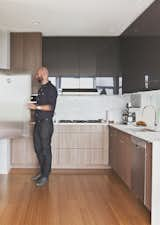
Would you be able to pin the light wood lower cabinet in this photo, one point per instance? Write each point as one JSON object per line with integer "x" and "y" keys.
{"x": 80, "y": 146}
{"x": 120, "y": 154}
{"x": 22, "y": 153}
{"x": 131, "y": 159}
{"x": 73, "y": 146}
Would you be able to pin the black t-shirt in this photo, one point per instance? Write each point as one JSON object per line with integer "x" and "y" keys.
{"x": 47, "y": 95}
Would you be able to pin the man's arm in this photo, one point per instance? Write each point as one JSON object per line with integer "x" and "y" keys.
{"x": 52, "y": 96}
{"x": 40, "y": 107}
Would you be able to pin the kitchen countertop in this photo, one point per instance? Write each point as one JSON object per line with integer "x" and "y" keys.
{"x": 139, "y": 132}
{"x": 9, "y": 130}
{"x": 12, "y": 130}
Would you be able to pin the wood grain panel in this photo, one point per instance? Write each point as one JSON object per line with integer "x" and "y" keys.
{"x": 26, "y": 54}
{"x": 148, "y": 176}
{"x": 73, "y": 146}
{"x": 32, "y": 48}
{"x": 17, "y": 52}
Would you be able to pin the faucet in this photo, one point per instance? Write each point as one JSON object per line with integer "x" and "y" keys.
{"x": 155, "y": 116}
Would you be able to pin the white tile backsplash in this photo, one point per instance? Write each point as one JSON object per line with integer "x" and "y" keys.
{"x": 89, "y": 107}
{"x": 86, "y": 107}
{"x": 151, "y": 99}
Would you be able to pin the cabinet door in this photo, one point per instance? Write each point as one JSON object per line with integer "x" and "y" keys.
{"x": 107, "y": 56}
{"x": 78, "y": 146}
{"x": 50, "y": 51}
{"x": 87, "y": 56}
{"x": 67, "y": 56}
{"x": 124, "y": 154}
{"x": 17, "y": 52}
{"x": 138, "y": 168}
{"x": 113, "y": 148}
{"x": 4, "y": 50}
{"x": 148, "y": 176}
{"x": 23, "y": 153}
{"x": 26, "y": 52}
{"x": 140, "y": 57}
{"x": 32, "y": 51}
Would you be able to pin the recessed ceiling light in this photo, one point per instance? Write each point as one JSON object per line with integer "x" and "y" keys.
{"x": 35, "y": 22}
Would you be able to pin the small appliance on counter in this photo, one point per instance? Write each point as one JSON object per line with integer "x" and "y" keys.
{"x": 128, "y": 117}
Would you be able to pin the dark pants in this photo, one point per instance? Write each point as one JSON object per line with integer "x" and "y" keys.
{"x": 43, "y": 131}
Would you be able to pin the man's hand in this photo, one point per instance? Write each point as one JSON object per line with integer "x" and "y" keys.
{"x": 47, "y": 108}
{"x": 32, "y": 106}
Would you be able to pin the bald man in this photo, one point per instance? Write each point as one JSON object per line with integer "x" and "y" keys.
{"x": 43, "y": 130}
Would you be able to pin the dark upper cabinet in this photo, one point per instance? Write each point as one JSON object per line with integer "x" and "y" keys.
{"x": 50, "y": 59}
{"x": 132, "y": 65}
{"x": 108, "y": 56}
{"x": 139, "y": 57}
{"x": 60, "y": 55}
{"x": 140, "y": 51}
{"x": 67, "y": 56}
{"x": 87, "y": 56}
{"x": 83, "y": 56}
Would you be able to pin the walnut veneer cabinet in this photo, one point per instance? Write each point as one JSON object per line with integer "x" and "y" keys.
{"x": 132, "y": 162}
{"x": 26, "y": 52}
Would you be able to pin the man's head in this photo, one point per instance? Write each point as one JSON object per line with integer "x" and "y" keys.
{"x": 42, "y": 75}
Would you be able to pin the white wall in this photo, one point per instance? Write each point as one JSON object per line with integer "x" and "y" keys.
{"x": 89, "y": 107}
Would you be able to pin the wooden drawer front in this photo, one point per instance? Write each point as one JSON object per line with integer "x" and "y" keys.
{"x": 78, "y": 157}
{"x": 64, "y": 128}
{"x": 74, "y": 140}
{"x": 22, "y": 153}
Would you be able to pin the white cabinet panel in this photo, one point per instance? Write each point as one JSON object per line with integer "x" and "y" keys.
{"x": 4, "y": 50}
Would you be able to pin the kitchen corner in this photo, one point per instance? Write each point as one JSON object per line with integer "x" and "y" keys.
{"x": 153, "y": 138}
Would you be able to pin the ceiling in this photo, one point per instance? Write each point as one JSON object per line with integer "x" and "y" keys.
{"x": 71, "y": 17}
